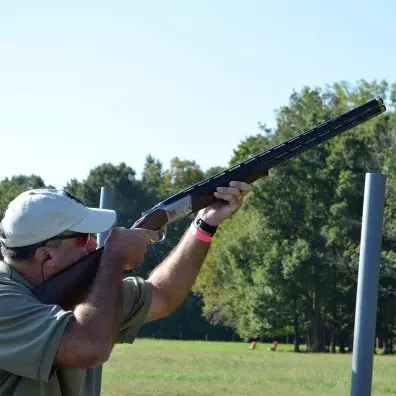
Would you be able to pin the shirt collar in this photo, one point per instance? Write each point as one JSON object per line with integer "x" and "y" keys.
{"x": 10, "y": 272}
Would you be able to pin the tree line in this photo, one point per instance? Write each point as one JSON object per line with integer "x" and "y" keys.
{"x": 286, "y": 264}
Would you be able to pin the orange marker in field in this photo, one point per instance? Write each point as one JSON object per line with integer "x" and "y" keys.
{"x": 274, "y": 345}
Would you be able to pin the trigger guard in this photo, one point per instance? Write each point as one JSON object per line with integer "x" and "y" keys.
{"x": 162, "y": 234}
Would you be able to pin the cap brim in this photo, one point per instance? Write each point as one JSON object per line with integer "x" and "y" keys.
{"x": 95, "y": 221}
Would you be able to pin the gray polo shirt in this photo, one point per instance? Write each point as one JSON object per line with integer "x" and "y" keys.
{"x": 30, "y": 333}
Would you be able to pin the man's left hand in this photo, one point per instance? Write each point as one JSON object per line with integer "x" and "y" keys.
{"x": 231, "y": 200}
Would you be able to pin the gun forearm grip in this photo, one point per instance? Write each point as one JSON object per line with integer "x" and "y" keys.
{"x": 154, "y": 220}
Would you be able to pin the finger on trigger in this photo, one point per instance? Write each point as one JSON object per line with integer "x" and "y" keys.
{"x": 151, "y": 236}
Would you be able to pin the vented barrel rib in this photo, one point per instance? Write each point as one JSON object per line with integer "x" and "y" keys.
{"x": 255, "y": 167}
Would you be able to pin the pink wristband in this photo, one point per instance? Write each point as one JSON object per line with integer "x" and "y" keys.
{"x": 198, "y": 234}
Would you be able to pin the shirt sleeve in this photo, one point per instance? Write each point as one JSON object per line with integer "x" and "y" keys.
{"x": 30, "y": 332}
{"x": 137, "y": 301}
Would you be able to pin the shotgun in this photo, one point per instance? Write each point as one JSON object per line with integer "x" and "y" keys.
{"x": 67, "y": 285}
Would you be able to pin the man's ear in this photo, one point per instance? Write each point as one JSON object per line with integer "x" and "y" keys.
{"x": 42, "y": 255}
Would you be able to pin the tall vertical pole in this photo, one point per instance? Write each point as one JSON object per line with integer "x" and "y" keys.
{"x": 106, "y": 202}
{"x": 367, "y": 288}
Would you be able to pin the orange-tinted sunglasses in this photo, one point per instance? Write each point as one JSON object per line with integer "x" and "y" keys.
{"x": 81, "y": 238}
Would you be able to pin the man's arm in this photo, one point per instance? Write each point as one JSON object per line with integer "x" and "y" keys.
{"x": 173, "y": 278}
{"x": 89, "y": 336}
{"x": 93, "y": 329}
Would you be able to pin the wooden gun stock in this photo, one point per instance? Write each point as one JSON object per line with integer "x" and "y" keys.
{"x": 67, "y": 287}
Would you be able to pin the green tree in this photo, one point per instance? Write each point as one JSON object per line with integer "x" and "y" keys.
{"x": 310, "y": 217}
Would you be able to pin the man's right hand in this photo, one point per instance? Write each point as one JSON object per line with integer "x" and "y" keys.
{"x": 128, "y": 246}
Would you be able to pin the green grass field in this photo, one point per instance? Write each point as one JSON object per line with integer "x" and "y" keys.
{"x": 156, "y": 367}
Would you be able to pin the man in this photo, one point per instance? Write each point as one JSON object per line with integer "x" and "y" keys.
{"x": 46, "y": 350}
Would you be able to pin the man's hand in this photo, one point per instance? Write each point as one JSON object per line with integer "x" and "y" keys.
{"x": 129, "y": 246}
{"x": 232, "y": 197}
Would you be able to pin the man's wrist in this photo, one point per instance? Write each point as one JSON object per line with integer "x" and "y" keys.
{"x": 200, "y": 235}
{"x": 202, "y": 231}
{"x": 204, "y": 226}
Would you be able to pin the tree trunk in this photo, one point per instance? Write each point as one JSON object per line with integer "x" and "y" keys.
{"x": 315, "y": 318}
{"x": 350, "y": 343}
{"x": 388, "y": 350}
{"x": 316, "y": 327}
{"x": 296, "y": 333}
{"x": 333, "y": 344}
{"x": 326, "y": 338}
{"x": 308, "y": 341}
{"x": 342, "y": 344}
{"x": 317, "y": 335}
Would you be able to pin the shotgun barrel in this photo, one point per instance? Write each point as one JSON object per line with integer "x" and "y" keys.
{"x": 67, "y": 286}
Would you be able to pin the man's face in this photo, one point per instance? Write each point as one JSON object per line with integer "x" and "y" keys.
{"x": 70, "y": 251}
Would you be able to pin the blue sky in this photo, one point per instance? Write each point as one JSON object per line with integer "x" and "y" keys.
{"x": 87, "y": 82}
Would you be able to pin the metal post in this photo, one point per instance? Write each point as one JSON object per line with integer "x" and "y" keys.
{"x": 367, "y": 288}
{"x": 106, "y": 202}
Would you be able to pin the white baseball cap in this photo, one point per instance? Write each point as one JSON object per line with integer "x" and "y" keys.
{"x": 37, "y": 215}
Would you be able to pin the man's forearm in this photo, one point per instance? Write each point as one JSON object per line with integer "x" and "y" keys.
{"x": 91, "y": 333}
{"x": 100, "y": 313}
{"x": 174, "y": 277}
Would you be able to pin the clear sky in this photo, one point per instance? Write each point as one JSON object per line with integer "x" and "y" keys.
{"x": 87, "y": 82}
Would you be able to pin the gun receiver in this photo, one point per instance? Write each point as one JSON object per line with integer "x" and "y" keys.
{"x": 63, "y": 287}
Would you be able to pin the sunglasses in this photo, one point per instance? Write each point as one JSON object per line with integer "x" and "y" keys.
{"x": 81, "y": 238}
